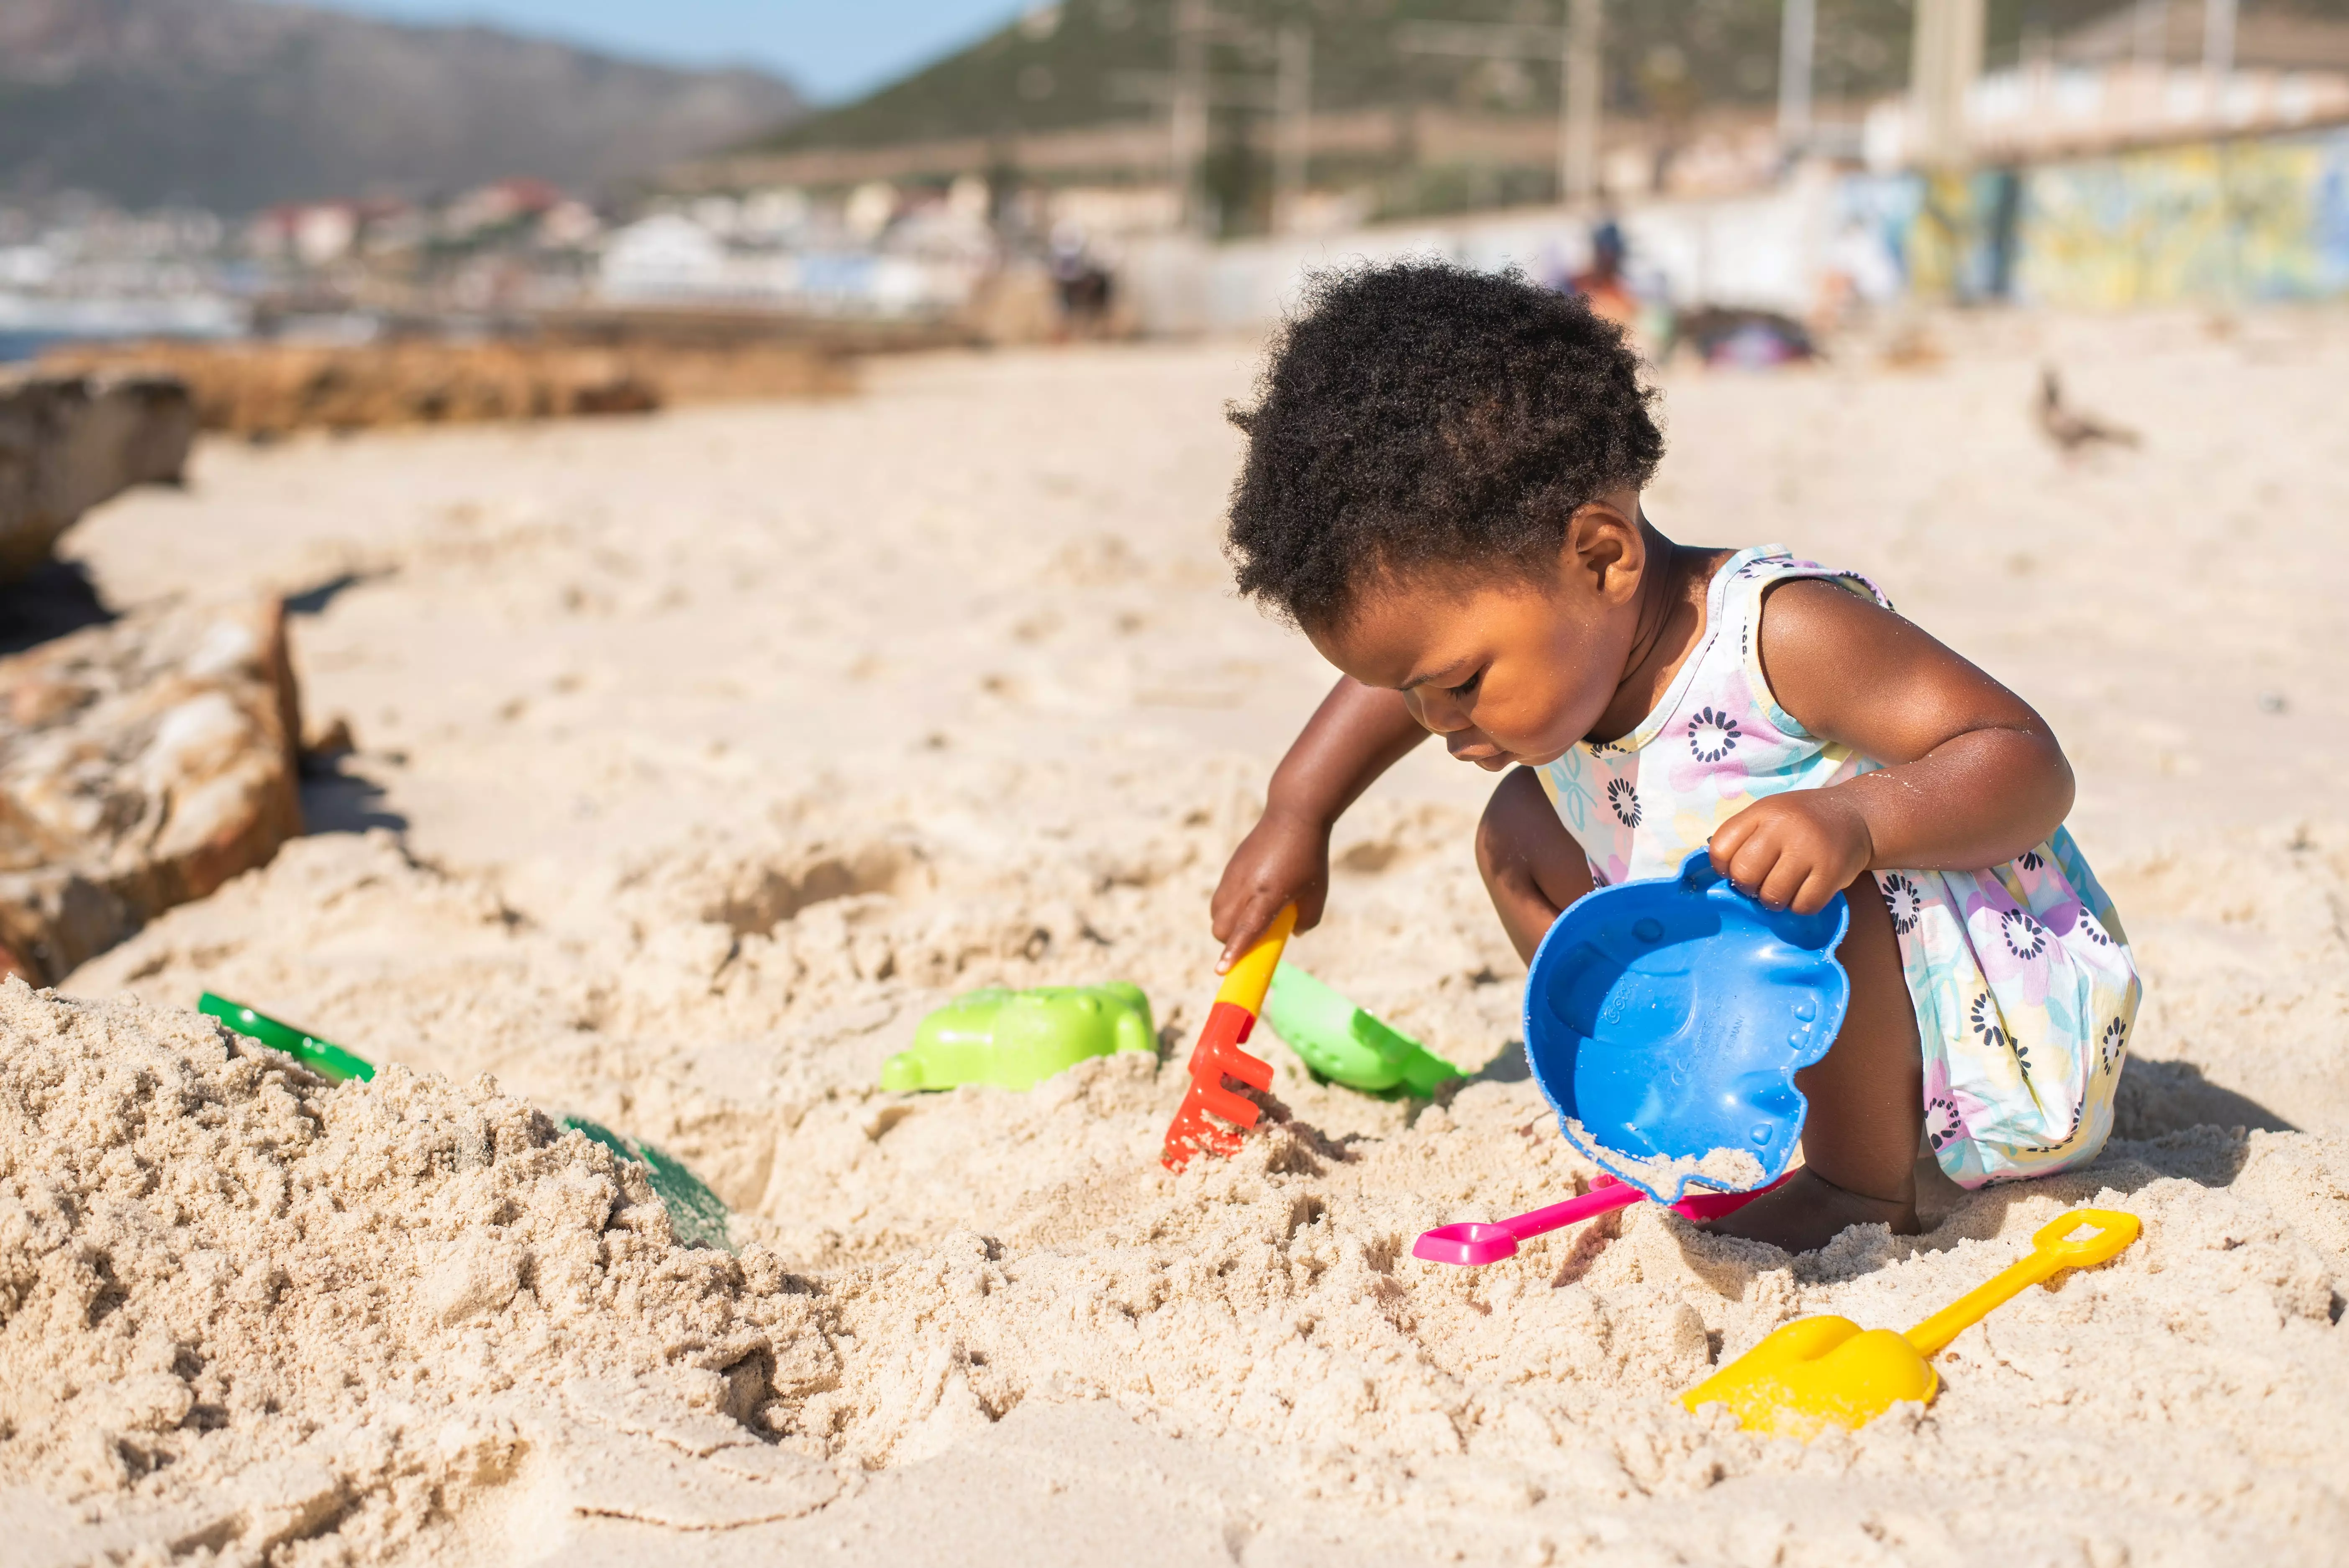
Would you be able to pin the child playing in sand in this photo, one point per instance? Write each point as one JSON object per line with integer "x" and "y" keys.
{"x": 1442, "y": 491}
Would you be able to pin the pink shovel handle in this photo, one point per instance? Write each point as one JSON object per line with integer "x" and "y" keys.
{"x": 1606, "y": 1195}
{"x": 1475, "y": 1242}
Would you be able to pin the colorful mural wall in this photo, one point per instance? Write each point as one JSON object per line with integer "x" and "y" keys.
{"x": 2254, "y": 220}
{"x": 2264, "y": 219}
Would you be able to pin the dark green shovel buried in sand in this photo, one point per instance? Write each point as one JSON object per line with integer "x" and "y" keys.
{"x": 697, "y": 1216}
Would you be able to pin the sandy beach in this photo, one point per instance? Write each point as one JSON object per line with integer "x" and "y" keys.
{"x": 699, "y": 755}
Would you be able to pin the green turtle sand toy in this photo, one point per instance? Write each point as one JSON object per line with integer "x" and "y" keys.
{"x": 1346, "y": 1044}
{"x": 697, "y": 1216}
{"x": 1017, "y": 1039}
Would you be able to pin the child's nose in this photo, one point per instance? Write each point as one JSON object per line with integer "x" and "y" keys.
{"x": 1442, "y": 715}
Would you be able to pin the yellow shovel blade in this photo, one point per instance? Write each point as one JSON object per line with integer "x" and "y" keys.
{"x": 1818, "y": 1372}
{"x": 1814, "y": 1372}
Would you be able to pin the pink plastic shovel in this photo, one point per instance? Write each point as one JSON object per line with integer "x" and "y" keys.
{"x": 1489, "y": 1241}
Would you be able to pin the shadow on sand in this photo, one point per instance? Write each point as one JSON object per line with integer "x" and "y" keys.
{"x": 336, "y": 800}
{"x": 2170, "y": 1123}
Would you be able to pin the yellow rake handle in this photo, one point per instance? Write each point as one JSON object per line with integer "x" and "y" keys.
{"x": 2078, "y": 1240}
{"x": 1250, "y": 976}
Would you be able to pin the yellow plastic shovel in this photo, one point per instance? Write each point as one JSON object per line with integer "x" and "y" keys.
{"x": 1818, "y": 1372}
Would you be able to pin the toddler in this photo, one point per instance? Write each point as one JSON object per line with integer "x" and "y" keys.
{"x": 1442, "y": 491}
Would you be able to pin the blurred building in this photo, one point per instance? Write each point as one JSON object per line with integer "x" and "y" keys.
{"x": 875, "y": 251}
{"x": 2140, "y": 76}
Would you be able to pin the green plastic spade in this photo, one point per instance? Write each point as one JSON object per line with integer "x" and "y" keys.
{"x": 1347, "y": 1045}
{"x": 697, "y": 1216}
{"x": 1017, "y": 1039}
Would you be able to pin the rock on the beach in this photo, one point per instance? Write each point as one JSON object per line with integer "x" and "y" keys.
{"x": 68, "y": 442}
{"x": 142, "y": 763}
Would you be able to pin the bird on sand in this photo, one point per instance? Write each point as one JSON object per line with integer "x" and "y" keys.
{"x": 2068, "y": 428}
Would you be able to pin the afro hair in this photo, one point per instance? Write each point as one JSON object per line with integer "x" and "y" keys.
{"x": 1421, "y": 416}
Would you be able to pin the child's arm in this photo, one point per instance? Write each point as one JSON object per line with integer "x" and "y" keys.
{"x": 1976, "y": 777}
{"x": 1358, "y": 733}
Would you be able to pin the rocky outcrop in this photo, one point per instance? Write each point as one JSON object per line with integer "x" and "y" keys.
{"x": 142, "y": 763}
{"x": 68, "y": 442}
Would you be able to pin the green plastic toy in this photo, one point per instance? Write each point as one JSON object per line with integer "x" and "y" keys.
{"x": 1348, "y": 1046}
{"x": 697, "y": 1216}
{"x": 1017, "y": 1039}
{"x": 329, "y": 1061}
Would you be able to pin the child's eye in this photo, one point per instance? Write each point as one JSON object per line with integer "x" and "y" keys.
{"x": 1467, "y": 688}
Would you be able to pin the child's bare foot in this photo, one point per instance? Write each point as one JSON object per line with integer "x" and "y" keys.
{"x": 1810, "y": 1210}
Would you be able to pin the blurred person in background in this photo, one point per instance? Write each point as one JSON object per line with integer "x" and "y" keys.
{"x": 1602, "y": 283}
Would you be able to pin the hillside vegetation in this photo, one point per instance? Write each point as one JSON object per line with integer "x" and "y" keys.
{"x": 1078, "y": 64}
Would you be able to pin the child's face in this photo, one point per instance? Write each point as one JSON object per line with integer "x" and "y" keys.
{"x": 1506, "y": 669}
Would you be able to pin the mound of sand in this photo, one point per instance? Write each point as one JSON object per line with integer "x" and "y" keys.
{"x": 241, "y": 1309}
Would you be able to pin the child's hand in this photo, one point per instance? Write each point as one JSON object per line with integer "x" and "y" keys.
{"x": 1285, "y": 858}
{"x": 1793, "y": 850}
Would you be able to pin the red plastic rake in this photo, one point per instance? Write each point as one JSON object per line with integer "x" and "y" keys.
{"x": 1217, "y": 1056}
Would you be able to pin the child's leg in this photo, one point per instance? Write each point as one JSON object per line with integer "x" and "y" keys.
{"x": 1867, "y": 1104}
{"x": 1532, "y": 866}
{"x": 1866, "y": 1093}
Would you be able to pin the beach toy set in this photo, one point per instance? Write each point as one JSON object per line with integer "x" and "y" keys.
{"x": 697, "y": 1216}
{"x": 1016, "y": 1040}
{"x": 1664, "y": 1022}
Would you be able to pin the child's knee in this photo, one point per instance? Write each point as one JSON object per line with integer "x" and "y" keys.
{"x": 1504, "y": 832}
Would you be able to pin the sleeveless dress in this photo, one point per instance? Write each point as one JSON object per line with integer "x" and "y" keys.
{"x": 2022, "y": 981}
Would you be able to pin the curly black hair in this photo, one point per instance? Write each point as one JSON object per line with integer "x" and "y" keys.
{"x": 1421, "y": 415}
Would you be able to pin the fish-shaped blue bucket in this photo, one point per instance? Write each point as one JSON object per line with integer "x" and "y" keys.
{"x": 1665, "y": 1021}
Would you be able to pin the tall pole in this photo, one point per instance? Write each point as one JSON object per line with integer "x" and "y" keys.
{"x": 2149, "y": 34}
{"x": 1292, "y": 94}
{"x": 1187, "y": 116}
{"x": 1944, "y": 59}
{"x": 2149, "y": 52}
{"x": 1797, "y": 31}
{"x": 2218, "y": 42}
{"x": 1580, "y": 89}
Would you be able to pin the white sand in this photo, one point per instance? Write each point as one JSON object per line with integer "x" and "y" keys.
{"x": 728, "y": 742}
{"x": 1720, "y": 1169}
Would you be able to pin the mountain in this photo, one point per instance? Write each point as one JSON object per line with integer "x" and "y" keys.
{"x": 239, "y": 103}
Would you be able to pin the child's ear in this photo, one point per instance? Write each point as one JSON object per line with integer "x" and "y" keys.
{"x": 1606, "y": 550}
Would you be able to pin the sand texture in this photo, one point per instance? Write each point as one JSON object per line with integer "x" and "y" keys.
{"x": 1721, "y": 1170}
{"x": 698, "y": 756}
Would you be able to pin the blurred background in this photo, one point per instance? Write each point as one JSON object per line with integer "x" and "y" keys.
{"x": 936, "y": 170}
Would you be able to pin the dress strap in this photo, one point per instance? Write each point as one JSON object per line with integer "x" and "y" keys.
{"x": 1749, "y": 580}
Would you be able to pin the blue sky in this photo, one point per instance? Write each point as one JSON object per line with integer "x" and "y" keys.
{"x": 833, "y": 50}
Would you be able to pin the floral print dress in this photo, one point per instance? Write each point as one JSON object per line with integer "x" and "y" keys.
{"x": 2022, "y": 981}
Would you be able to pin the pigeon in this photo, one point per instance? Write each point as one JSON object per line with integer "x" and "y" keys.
{"x": 2068, "y": 428}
